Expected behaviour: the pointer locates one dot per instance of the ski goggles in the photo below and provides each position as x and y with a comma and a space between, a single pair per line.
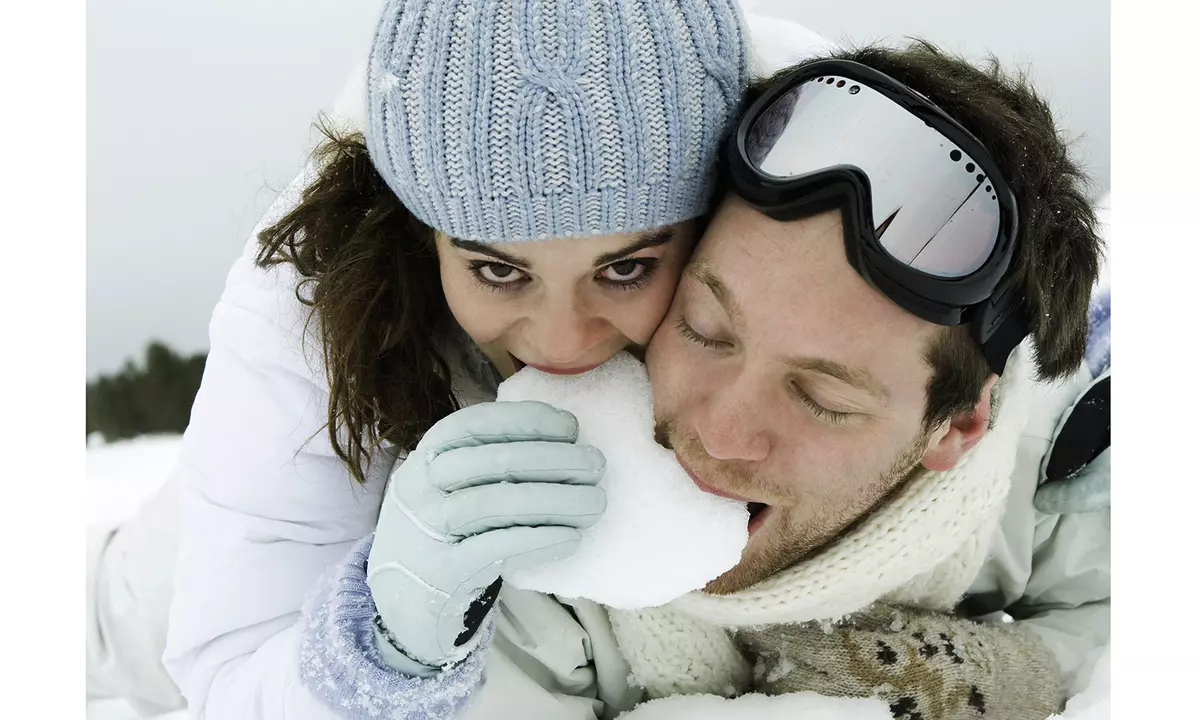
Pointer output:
929, 219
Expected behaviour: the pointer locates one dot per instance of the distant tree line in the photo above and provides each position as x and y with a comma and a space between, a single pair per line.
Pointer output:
153, 397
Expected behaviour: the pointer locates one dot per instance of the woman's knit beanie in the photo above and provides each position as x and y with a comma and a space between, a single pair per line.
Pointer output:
510, 120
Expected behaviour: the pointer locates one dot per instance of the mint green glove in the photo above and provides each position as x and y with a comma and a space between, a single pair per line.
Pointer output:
493, 486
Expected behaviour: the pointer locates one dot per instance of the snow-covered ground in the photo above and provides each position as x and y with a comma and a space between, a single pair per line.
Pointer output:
122, 475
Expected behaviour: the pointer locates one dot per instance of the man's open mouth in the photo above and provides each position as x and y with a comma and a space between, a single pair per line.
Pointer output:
758, 514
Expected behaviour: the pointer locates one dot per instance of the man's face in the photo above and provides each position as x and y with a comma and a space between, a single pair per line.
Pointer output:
780, 377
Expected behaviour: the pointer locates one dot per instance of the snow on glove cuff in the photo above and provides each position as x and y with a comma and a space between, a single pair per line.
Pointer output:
340, 662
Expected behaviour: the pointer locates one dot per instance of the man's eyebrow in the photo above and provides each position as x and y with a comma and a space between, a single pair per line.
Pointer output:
650, 239
703, 272
852, 376
483, 249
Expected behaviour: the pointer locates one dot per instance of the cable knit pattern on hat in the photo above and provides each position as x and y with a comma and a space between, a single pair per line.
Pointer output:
922, 548
525, 119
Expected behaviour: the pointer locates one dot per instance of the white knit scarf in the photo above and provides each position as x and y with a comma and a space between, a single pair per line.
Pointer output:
923, 548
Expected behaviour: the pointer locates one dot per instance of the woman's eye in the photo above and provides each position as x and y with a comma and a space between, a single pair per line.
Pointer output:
628, 274
624, 271
498, 274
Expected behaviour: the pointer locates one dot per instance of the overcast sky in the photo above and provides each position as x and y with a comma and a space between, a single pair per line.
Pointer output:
198, 112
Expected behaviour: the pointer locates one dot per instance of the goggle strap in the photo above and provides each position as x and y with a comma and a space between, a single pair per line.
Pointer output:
1004, 339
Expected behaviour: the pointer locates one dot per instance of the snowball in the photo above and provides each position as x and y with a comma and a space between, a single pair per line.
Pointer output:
805, 705
660, 537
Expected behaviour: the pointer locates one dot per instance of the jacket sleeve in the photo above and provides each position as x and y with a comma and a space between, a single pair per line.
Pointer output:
130, 570
265, 506
1066, 602
1067, 596
271, 617
1048, 570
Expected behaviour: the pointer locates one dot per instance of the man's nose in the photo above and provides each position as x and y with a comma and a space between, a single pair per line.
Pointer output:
732, 422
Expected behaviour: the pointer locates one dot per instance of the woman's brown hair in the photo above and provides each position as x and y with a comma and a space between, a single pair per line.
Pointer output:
369, 274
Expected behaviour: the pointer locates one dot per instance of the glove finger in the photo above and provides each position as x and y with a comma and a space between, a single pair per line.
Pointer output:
517, 462
491, 507
515, 547
500, 422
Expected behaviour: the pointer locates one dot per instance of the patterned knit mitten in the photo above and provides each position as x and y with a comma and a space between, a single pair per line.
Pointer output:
925, 665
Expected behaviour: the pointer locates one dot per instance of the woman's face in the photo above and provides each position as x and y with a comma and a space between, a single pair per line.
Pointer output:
564, 305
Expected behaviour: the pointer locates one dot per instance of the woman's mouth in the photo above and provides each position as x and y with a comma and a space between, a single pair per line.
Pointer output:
561, 370
519, 364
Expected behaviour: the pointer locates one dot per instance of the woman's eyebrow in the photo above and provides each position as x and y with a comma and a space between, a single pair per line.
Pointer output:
482, 249
649, 239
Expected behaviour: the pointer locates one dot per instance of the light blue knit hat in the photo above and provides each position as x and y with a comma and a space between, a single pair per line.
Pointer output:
510, 120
